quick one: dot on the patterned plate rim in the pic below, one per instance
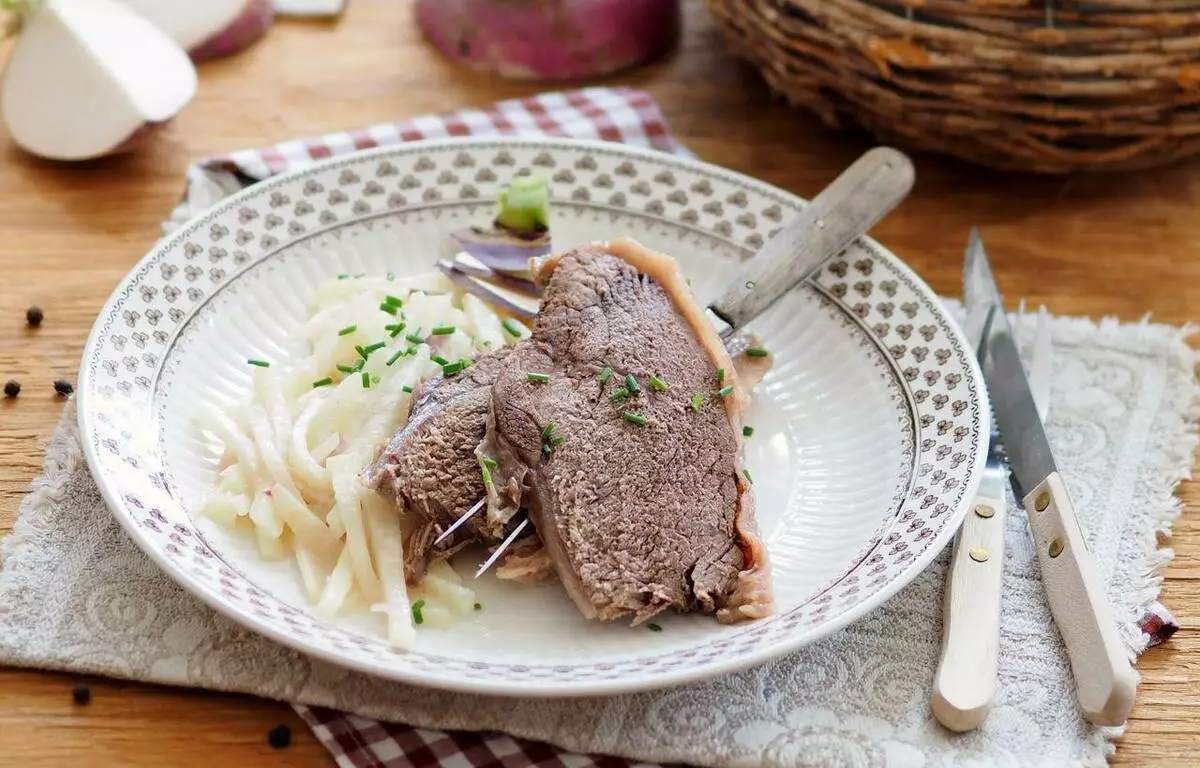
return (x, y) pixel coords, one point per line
(660, 678)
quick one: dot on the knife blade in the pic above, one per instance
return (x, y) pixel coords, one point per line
(1105, 682)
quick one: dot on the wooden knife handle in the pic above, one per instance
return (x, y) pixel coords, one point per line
(965, 682)
(865, 192)
(1104, 679)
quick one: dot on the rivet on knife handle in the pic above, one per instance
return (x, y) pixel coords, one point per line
(965, 682)
(865, 192)
(1104, 679)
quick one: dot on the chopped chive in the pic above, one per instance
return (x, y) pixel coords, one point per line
(747, 431)
(631, 384)
(720, 375)
(547, 430)
(399, 353)
(358, 365)
(697, 401)
(393, 301)
(385, 307)
(360, 275)
(259, 363)
(634, 418)
(513, 327)
(654, 627)
(479, 606)
(325, 382)
(605, 375)
(453, 368)
(749, 477)
(417, 607)
(349, 329)
(619, 393)
(407, 389)
(374, 347)
(443, 330)
(375, 379)
(439, 359)
(366, 380)
(415, 337)
(557, 439)
(362, 351)
(346, 368)
(756, 352)
(391, 275)
(725, 390)
(489, 462)
(396, 330)
(343, 276)
(487, 476)
(538, 378)
(658, 384)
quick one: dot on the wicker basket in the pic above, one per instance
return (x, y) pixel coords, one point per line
(1037, 85)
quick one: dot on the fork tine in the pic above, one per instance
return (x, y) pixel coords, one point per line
(1039, 368)
(500, 549)
(459, 522)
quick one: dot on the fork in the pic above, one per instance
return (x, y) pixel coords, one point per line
(965, 682)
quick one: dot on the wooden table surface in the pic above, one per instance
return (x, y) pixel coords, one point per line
(1087, 246)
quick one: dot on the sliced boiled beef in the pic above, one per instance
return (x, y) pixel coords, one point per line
(634, 481)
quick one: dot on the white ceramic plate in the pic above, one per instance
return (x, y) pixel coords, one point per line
(869, 431)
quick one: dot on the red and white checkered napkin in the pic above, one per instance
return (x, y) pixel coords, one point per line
(611, 114)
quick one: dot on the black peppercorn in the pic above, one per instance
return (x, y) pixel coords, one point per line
(63, 387)
(12, 388)
(34, 316)
(280, 737)
(81, 694)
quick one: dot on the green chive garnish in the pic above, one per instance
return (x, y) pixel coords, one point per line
(375, 379)
(654, 627)
(325, 382)
(346, 368)
(697, 401)
(374, 347)
(349, 329)
(749, 477)
(557, 439)
(658, 384)
(513, 327)
(385, 307)
(619, 393)
(366, 380)
(362, 351)
(538, 378)
(439, 359)
(634, 418)
(396, 330)
(725, 390)
(547, 430)
(487, 476)
(399, 353)
(489, 462)
(407, 389)
(415, 337)
(479, 606)
(393, 301)
(631, 384)
(417, 607)
(604, 376)
(720, 375)
(358, 365)
(756, 352)
(747, 431)
(343, 276)
(443, 330)
(259, 363)
(453, 368)
(391, 275)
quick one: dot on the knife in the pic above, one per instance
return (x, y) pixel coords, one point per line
(964, 684)
(1104, 680)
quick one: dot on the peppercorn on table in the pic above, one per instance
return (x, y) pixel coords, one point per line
(1082, 246)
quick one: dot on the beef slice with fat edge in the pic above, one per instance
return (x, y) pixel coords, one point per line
(636, 518)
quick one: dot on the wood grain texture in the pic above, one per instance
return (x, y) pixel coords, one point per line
(1085, 246)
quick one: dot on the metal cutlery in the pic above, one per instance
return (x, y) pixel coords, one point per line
(964, 685)
(1105, 681)
(854, 202)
